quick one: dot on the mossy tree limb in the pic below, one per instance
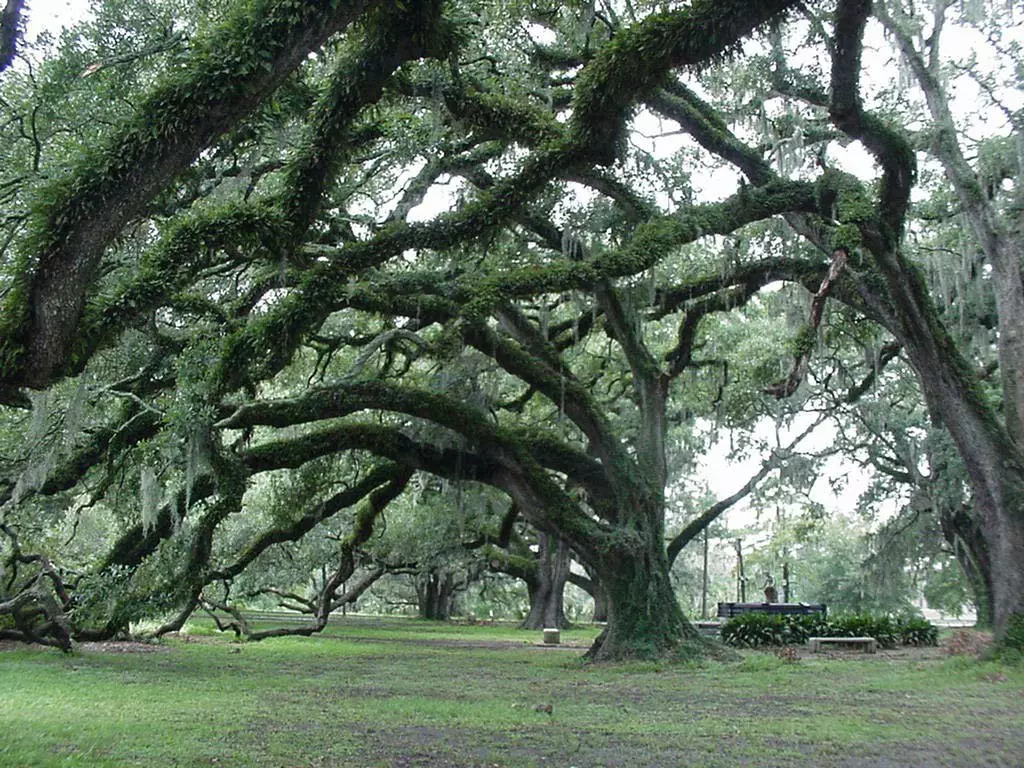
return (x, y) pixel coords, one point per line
(78, 216)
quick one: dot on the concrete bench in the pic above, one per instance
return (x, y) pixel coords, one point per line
(709, 628)
(869, 644)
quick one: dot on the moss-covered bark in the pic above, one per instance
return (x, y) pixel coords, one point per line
(79, 215)
(644, 618)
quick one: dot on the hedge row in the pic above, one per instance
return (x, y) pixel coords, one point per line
(753, 630)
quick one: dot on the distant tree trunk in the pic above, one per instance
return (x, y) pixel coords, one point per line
(964, 535)
(591, 584)
(547, 603)
(600, 601)
(435, 594)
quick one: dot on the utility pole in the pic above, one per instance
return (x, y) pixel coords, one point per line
(741, 578)
(704, 581)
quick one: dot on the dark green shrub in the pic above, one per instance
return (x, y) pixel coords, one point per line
(917, 631)
(800, 628)
(882, 628)
(754, 630)
(1014, 637)
(758, 630)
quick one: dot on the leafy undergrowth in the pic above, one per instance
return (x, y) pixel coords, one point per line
(416, 694)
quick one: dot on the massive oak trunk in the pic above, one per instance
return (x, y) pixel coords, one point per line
(644, 617)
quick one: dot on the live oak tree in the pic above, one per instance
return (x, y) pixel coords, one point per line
(239, 276)
(889, 286)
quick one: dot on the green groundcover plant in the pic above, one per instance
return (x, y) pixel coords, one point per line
(753, 630)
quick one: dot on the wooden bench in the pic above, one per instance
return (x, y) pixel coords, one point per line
(869, 644)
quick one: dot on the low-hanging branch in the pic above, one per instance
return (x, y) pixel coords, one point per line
(467, 421)
(328, 599)
(319, 513)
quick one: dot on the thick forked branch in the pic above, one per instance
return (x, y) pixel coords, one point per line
(636, 61)
(226, 79)
(706, 126)
(890, 148)
(679, 103)
(805, 342)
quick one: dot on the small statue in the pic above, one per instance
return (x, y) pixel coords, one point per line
(771, 594)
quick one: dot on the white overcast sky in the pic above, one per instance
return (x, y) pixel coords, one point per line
(53, 15)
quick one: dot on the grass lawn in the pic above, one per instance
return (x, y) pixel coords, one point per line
(406, 693)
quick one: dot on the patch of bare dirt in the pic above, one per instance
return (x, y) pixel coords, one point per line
(111, 646)
(450, 642)
(123, 646)
(902, 653)
(11, 645)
